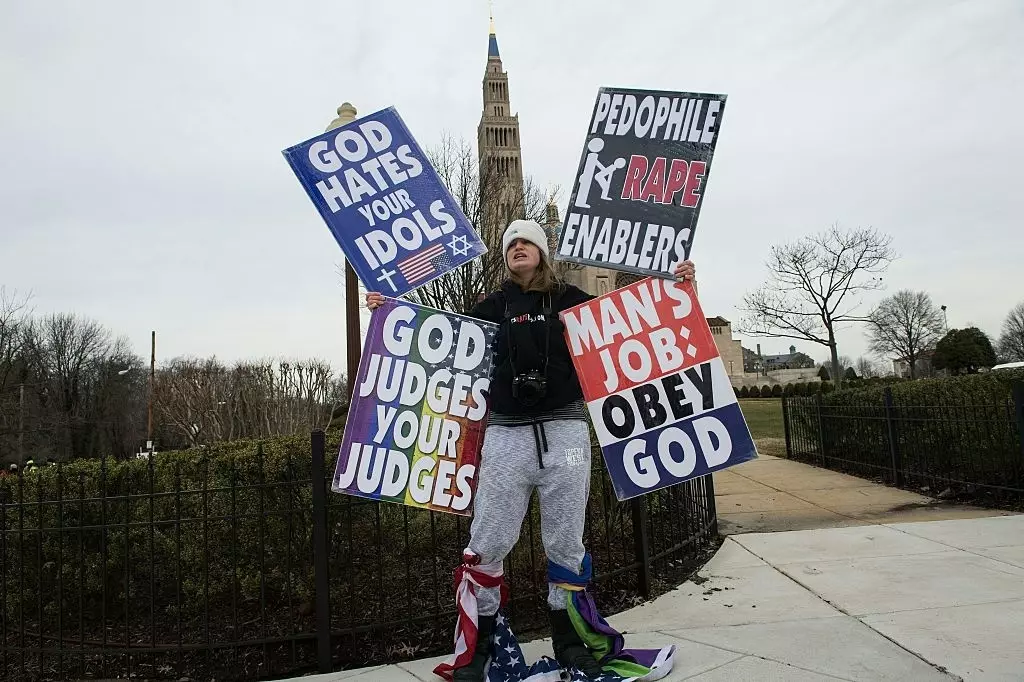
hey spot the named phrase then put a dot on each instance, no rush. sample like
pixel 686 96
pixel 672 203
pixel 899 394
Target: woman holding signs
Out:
pixel 537 438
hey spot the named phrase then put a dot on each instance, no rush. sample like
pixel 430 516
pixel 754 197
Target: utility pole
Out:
pixel 21 427
pixel 347 114
pixel 152 381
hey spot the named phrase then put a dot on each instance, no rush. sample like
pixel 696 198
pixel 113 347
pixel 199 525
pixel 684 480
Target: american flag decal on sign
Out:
pixel 421 265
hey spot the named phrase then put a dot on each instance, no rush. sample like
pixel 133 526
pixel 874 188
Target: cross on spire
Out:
pixel 492 44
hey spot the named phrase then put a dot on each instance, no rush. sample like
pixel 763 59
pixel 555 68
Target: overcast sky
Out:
pixel 142 181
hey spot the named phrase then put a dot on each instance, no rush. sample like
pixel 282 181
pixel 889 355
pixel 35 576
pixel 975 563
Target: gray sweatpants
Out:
pixel 509 472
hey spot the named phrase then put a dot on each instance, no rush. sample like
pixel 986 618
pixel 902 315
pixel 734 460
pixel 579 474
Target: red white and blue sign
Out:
pixel 659 397
pixel 385 204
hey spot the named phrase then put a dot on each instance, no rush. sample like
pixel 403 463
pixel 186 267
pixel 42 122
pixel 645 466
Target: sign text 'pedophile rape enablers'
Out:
pixel 641 180
pixel 657 390
pixel 396 222
pixel 416 423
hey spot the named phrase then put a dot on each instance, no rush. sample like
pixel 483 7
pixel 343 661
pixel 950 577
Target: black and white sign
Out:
pixel 641 180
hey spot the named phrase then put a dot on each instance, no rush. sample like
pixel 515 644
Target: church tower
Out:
pixel 500 153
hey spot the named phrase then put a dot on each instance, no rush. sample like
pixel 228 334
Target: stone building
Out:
pixel 500 153
pixel 729 348
pixel 499 150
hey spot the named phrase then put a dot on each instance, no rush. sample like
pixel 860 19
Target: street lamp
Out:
pixel 945 323
pixel 347 114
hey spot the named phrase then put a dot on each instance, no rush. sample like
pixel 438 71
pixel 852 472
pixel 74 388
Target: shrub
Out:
pixel 777 391
pixel 800 389
pixel 974 388
pixel 789 390
pixel 813 387
pixel 827 387
pixel 744 392
pixel 955 432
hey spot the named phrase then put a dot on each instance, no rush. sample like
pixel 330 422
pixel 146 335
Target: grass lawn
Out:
pixel 764 417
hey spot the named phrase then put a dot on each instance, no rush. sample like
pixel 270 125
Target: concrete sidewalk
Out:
pixel 940 600
pixel 870 583
pixel 774 494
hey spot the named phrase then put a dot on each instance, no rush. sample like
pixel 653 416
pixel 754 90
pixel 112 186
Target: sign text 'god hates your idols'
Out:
pixel 386 206
pixel 657 390
pixel 416 423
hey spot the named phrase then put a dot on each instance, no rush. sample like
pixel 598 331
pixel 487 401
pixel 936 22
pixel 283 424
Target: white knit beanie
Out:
pixel 530 230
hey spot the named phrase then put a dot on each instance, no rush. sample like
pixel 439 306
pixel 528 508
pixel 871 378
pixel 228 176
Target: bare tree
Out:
pixel 904 326
pixel 866 369
pixel 487 197
pixel 202 401
pixel 839 367
pixel 77 395
pixel 813 286
pixel 13 317
pixel 1011 340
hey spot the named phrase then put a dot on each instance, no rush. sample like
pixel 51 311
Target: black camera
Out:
pixel 529 388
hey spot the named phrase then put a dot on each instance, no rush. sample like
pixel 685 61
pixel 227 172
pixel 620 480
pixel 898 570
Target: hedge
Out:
pixel 957 432
pixel 970 388
pixel 229 552
pixel 218 562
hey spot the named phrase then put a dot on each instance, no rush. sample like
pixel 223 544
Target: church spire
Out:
pixel 492 43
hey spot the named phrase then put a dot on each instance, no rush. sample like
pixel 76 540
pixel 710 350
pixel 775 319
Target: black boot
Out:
pixel 474 672
pixel 570 651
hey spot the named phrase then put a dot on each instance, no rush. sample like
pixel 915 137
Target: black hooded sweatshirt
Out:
pixel 529 339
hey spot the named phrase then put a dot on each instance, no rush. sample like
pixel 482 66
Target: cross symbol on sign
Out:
pixel 386 274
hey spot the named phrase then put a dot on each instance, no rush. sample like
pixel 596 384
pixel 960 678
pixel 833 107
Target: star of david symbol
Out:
pixel 459 250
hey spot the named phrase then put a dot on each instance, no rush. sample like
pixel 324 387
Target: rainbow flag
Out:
pixel 507 662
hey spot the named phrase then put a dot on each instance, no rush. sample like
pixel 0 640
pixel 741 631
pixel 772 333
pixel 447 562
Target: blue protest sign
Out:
pixel 394 219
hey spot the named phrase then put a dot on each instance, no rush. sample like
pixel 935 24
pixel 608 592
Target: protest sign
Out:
pixel 657 390
pixel 418 413
pixel 641 180
pixel 384 203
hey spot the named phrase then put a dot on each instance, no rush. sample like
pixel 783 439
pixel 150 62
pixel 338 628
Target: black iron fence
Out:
pixel 967 446
pixel 245 567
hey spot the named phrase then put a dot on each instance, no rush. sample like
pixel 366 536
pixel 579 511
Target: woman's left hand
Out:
pixel 685 271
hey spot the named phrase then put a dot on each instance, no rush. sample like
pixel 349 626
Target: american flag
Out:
pixel 422 264
pixel 509 665
pixel 507 662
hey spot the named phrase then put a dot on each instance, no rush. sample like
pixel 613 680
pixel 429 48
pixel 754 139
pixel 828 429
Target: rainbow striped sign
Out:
pixel 417 419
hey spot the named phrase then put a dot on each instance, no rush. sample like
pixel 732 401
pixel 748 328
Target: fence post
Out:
pixel 894 447
pixel 642 545
pixel 1018 404
pixel 785 426
pixel 821 429
pixel 320 554
pixel 712 507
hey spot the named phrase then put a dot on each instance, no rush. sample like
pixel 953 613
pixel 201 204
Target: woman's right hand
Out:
pixel 374 300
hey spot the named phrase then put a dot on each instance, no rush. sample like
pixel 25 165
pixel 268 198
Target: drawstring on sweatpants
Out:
pixel 541 439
